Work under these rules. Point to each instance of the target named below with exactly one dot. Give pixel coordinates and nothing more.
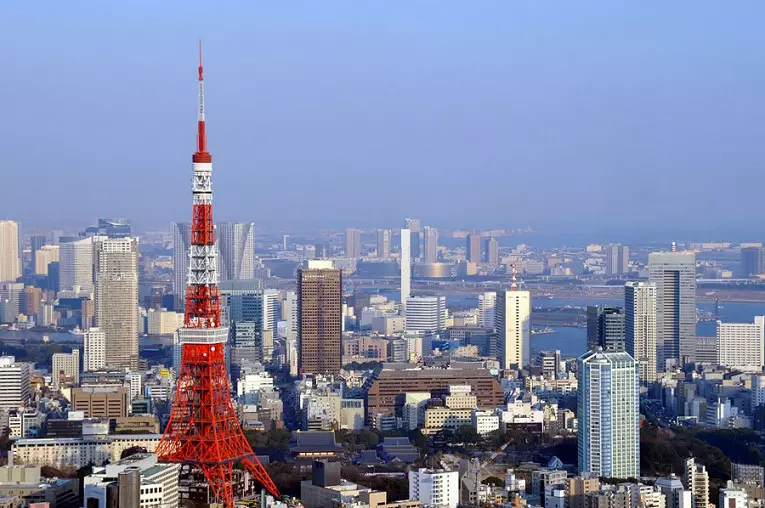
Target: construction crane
(478, 467)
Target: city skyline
(557, 113)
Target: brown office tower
(101, 401)
(319, 294)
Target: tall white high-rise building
(430, 245)
(94, 350)
(10, 253)
(383, 243)
(512, 328)
(116, 299)
(697, 481)
(270, 309)
(608, 415)
(65, 365)
(434, 487)
(290, 314)
(236, 247)
(76, 264)
(425, 314)
(15, 384)
(406, 268)
(674, 274)
(640, 327)
(487, 303)
(741, 346)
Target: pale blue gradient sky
(553, 114)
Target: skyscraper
(76, 264)
(640, 327)
(117, 299)
(383, 243)
(36, 243)
(181, 244)
(235, 243)
(406, 268)
(15, 385)
(473, 248)
(319, 294)
(617, 259)
(512, 328)
(236, 247)
(674, 274)
(413, 225)
(752, 261)
(605, 328)
(608, 415)
(243, 312)
(352, 243)
(10, 253)
(487, 303)
(430, 245)
(491, 251)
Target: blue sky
(569, 115)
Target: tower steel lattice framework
(203, 429)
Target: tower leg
(257, 470)
(219, 479)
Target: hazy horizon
(571, 117)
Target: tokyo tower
(203, 430)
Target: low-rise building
(434, 487)
(158, 482)
(25, 483)
(78, 452)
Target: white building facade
(741, 346)
(513, 328)
(434, 487)
(640, 327)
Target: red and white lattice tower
(203, 430)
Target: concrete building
(430, 245)
(732, 497)
(617, 259)
(10, 251)
(101, 401)
(353, 243)
(25, 484)
(640, 327)
(116, 299)
(473, 248)
(10, 301)
(413, 225)
(434, 487)
(181, 244)
(236, 250)
(383, 243)
(31, 297)
(577, 487)
(608, 415)
(513, 328)
(605, 328)
(749, 474)
(94, 350)
(46, 255)
(406, 269)
(674, 274)
(15, 388)
(158, 483)
(697, 481)
(491, 252)
(752, 261)
(78, 452)
(675, 494)
(487, 304)
(76, 264)
(26, 422)
(319, 294)
(741, 346)
(425, 314)
(385, 390)
(65, 369)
